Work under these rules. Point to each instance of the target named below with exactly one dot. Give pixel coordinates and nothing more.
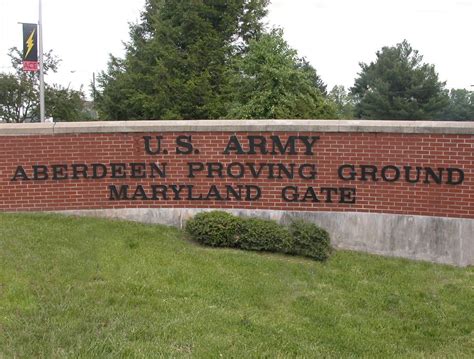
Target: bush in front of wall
(264, 235)
(222, 229)
(216, 228)
(309, 240)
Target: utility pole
(40, 27)
(93, 87)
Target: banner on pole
(30, 47)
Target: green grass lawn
(91, 288)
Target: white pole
(40, 26)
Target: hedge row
(222, 229)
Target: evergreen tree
(399, 86)
(270, 81)
(460, 107)
(317, 81)
(176, 61)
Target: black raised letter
(148, 148)
(117, 195)
(352, 173)
(185, 146)
(40, 173)
(234, 146)
(20, 173)
(457, 181)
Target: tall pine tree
(176, 61)
(399, 86)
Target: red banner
(30, 66)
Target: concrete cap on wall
(435, 127)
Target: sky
(334, 35)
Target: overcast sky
(334, 35)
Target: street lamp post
(40, 27)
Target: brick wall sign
(404, 169)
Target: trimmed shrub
(216, 228)
(222, 229)
(309, 240)
(264, 235)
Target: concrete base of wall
(434, 239)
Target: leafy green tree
(460, 107)
(344, 101)
(270, 81)
(19, 94)
(399, 86)
(177, 59)
(63, 104)
(17, 98)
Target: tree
(176, 62)
(270, 81)
(399, 86)
(19, 94)
(460, 107)
(344, 101)
(317, 81)
(63, 104)
(17, 97)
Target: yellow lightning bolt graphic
(30, 43)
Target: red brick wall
(330, 152)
